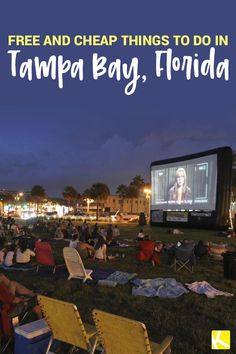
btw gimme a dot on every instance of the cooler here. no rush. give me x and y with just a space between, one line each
32 338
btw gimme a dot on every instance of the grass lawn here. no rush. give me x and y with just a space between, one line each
189 318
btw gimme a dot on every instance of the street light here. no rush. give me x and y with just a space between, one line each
147 192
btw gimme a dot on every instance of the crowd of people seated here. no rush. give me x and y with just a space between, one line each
9 228
87 239
67 229
93 243
17 252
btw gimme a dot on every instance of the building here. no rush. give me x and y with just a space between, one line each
113 203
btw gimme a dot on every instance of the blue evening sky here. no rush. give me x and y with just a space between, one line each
91 131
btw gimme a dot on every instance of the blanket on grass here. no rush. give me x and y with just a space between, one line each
22 267
162 287
203 287
97 274
121 277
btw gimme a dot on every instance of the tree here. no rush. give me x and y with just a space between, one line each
99 191
133 192
38 194
87 193
122 191
135 187
71 195
137 182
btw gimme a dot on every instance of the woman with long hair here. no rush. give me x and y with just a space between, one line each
180 192
24 253
100 249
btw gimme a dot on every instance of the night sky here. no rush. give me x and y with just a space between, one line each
91 131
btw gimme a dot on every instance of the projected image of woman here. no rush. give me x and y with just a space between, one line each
180 192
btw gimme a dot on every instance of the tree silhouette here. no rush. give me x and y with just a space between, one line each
133 193
38 194
71 195
99 191
122 191
134 189
137 182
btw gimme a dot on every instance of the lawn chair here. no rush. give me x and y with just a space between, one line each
11 315
184 257
122 335
44 256
75 265
66 325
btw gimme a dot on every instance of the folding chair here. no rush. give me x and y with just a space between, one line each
44 256
184 257
75 265
11 315
122 335
66 325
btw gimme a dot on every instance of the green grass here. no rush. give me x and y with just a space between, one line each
189 318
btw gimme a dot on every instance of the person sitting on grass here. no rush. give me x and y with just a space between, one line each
103 232
115 231
101 250
16 300
148 251
59 235
20 291
85 249
10 256
24 253
74 241
140 235
2 250
201 249
109 234
95 232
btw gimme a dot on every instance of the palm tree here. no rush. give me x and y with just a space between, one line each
122 191
38 194
99 191
135 187
133 192
71 195
137 182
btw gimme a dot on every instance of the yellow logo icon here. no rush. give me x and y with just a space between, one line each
220 340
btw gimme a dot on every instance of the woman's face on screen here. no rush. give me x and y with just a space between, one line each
180 178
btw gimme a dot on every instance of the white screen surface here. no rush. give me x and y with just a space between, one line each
189 184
